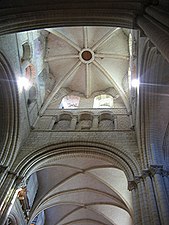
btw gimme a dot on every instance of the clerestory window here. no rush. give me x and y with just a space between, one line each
70 102
103 101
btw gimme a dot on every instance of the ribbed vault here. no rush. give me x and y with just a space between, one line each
87 60
83 190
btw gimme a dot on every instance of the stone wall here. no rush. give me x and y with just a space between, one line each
91 119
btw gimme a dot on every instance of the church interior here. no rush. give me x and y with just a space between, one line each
84 112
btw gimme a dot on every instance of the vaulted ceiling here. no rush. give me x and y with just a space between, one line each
83 190
87 60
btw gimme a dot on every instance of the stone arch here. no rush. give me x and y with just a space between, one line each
65 116
37 15
153 94
9 112
85 121
86 116
63 121
48 154
106 121
106 116
12 219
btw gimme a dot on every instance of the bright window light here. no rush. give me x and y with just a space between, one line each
23 82
70 102
103 101
135 83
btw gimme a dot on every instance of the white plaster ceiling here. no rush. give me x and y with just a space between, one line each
87 60
83 190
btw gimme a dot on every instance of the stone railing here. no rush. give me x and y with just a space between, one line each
82 120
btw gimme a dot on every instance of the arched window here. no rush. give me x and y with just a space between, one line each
70 102
26 52
103 101
30 72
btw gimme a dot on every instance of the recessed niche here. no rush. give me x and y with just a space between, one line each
30 72
26 52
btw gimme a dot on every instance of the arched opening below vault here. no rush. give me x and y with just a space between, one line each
80 187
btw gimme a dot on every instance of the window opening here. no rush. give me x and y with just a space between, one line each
103 101
70 102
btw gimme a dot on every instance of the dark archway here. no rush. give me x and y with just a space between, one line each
20 16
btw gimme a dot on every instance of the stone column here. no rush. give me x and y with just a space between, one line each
146 211
161 194
140 207
162 199
115 123
53 120
131 121
151 191
152 202
136 207
95 122
7 193
136 204
73 123
157 34
143 203
166 183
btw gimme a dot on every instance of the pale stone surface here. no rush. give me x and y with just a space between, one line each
72 151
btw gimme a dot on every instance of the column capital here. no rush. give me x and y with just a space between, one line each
150 172
132 185
12 174
165 173
145 173
156 169
20 181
